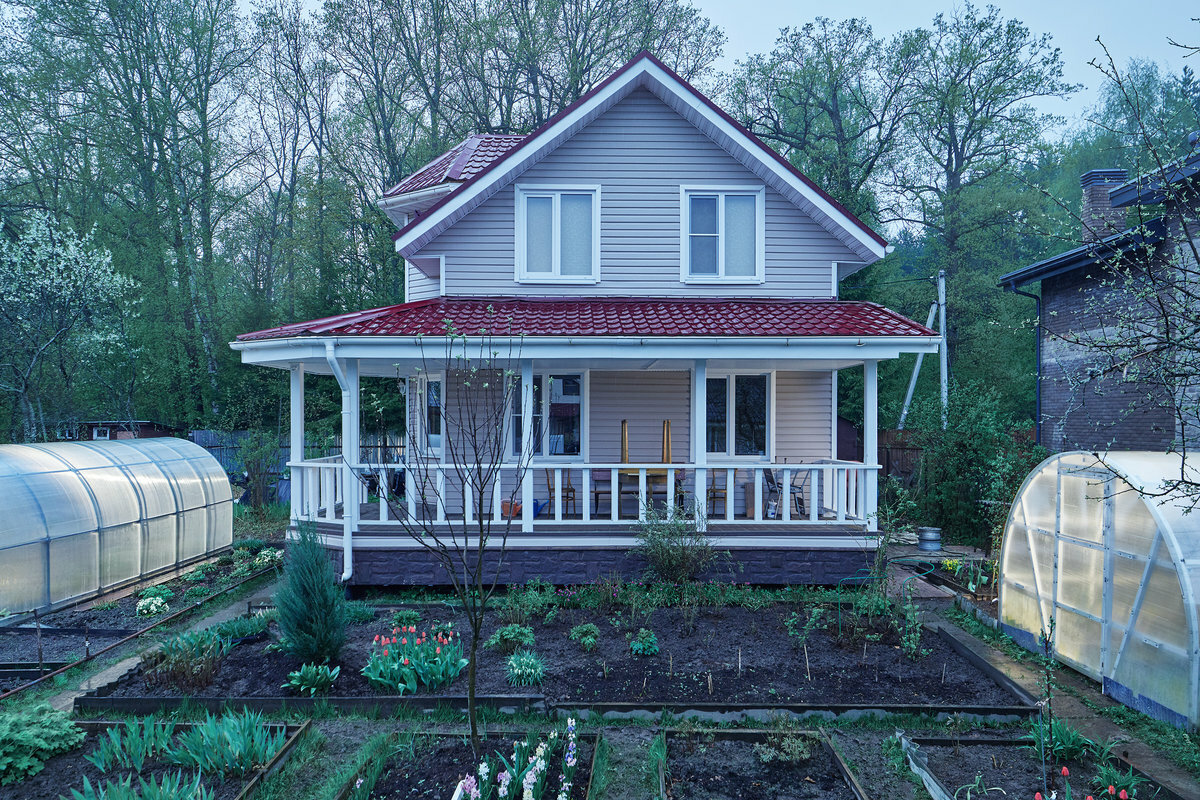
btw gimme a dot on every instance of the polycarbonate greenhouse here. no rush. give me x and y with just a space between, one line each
1096 546
83 517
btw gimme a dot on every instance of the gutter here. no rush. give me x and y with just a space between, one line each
1012 287
347 520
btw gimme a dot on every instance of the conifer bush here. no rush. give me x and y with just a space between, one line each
311 605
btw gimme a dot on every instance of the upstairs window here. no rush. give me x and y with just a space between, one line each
721 236
558 234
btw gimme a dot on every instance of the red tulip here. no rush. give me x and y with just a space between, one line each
404 640
439 651
1037 796
1066 773
1124 795
385 652
377 638
1112 789
406 662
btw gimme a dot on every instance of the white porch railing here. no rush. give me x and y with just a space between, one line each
822 493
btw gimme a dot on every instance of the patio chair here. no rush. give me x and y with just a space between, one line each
717 493
774 489
569 502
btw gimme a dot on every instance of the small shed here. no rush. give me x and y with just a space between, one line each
1104 548
81 518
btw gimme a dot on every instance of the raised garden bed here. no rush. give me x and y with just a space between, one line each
67 771
1005 764
733 660
755 765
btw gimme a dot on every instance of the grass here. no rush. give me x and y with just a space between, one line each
268 522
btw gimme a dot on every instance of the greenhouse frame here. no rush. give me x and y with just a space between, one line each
82 518
1105 552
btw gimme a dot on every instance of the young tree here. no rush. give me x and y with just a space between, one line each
56 289
479 465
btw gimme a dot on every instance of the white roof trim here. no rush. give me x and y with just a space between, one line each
645 73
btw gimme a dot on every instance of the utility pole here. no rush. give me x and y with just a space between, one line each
912 383
944 350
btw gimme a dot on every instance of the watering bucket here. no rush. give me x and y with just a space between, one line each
929 539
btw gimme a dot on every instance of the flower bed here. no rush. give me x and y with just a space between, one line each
225 756
751 765
550 765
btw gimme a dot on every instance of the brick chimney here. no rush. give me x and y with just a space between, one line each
1100 219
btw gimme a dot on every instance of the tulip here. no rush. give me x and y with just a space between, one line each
1124 795
404 640
1112 789
1066 773
406 662
439 651
1037 796
385 652
377 638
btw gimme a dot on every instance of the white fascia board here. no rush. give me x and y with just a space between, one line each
398 205
275 352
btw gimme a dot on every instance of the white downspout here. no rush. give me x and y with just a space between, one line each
348 469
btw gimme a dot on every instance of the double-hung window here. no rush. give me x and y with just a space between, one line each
432 419
558 234
557 425
739 414
721 234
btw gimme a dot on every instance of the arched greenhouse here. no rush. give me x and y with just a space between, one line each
1096 545
84 517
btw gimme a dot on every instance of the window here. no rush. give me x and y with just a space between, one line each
738 414
100 434
431 415
557 424
721 234
558 234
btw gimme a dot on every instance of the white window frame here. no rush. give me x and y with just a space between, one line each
731 418
96 437
760 229
423 382
585 383
554 190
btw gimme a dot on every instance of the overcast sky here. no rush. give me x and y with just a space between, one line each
1129 28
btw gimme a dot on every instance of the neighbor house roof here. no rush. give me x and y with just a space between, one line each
1105 250
625 317
1147 190
643 71
460 163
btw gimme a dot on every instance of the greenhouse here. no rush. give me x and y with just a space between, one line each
81 518
1096 550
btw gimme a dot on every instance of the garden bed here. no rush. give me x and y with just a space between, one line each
732 657
67 771
755 765
1007 765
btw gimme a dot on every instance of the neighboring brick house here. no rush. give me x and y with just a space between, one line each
1077 407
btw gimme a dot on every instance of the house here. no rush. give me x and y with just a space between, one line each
667 286
1080 406
104 430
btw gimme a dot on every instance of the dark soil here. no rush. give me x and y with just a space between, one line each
731 770
850 669
65 772
1010 767
23 647
436 771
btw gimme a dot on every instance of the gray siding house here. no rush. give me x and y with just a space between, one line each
666 287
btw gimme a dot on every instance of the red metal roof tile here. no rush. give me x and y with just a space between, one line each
509 316
460 163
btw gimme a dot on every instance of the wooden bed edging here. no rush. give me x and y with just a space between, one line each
98 700
738 712
1163 793
982 663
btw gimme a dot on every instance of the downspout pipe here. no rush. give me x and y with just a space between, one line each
347 521
1012 287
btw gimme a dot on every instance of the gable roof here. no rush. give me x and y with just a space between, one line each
626 317
460 163
645 71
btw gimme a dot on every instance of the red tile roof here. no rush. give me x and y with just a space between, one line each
460 163
509 316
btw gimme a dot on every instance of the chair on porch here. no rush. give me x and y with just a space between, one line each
717 493
775 489
569 502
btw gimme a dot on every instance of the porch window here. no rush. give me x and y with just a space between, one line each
558 234
738 415
721 235
432 416
557 425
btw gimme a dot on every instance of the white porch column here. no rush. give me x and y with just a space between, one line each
296 439
871 440
351 489
700 441
527 446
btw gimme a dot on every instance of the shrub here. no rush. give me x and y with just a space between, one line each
312 678
359 613
161 592
524 668
28 738
408 661
151 607
196 576
312 607
511 637
225 559
172 786
233 744
644 644
586 636
195 593
675 549
404 617
187 661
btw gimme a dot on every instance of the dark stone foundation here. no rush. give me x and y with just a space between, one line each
768 566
